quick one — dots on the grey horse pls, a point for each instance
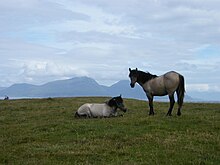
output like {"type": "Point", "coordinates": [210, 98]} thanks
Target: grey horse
{"type": "Point", "coordinates": [166, 84]}
{"type": "Point", "coordinates": [107, 109]}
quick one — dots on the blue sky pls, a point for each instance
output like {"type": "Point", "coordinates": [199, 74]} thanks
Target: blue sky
{"type": "Point", "coordinates": [46, 40]}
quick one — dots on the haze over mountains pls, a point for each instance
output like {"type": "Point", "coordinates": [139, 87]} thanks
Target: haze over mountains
{"type": "Point", "coordinates": [78, 86]}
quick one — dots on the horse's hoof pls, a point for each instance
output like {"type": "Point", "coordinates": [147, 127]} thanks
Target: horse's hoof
{"type": "Point", "coordinates": [178, 114]}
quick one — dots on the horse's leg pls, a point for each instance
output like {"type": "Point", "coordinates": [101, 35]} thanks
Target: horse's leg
{"type": "Point", "coordinates": [77, 115]}
{"type": "Point", "coordinates": [82, 116]}
{"type": "Point", "coordinates": [179, 112]}
{"type": "Point", "coordinates": [172, 102]}
{"type": "Point", "coordinates": [180, 94]}
{"type": "Point", "coordinates": [150, 99]}
{"type": "Point", "coordinates": [180, 102]}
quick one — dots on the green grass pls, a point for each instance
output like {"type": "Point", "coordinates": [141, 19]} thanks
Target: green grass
{"type": "Point", "coordinates": [44, 131]}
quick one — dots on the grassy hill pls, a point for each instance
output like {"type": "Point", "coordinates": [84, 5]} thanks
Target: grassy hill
{"type": "Point", "coordinates": [43, 131]}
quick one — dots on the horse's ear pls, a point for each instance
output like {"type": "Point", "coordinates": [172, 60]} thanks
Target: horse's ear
{"type": "Point", "coordinates": [130, 69]}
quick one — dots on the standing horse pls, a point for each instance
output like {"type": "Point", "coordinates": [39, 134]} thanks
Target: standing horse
{"type": "Point", "coordinates": [107, 109]}
{"type": "Point", "coordinates": [166, 84]}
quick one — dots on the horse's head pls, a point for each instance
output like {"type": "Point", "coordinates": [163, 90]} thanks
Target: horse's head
{"type": "Point", "coordinates": [133, 75]}
{"type": "Point", "coordinates": [117, 102]}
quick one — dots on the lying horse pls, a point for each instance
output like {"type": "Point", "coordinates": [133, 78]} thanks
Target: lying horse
{"type": "Point", "coordinates": [107, 109]}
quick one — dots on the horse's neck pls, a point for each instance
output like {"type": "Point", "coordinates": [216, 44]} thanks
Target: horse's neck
{"type": "Point", "coordinates": [114, 111]}
{"type": "Point", "coordinates": [144, 77]}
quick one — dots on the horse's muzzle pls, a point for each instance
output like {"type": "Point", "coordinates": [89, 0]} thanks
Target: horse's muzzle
{"type": "Point", "coordinates": [132, 85]}
{"type": "Point", "coordinates": [124, 109]}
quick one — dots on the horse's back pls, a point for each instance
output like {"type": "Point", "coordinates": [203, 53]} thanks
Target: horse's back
{"type": "Point", "coordinates": [84, 110]}
{"type": "Point", "coordinates": [100, 110]}
{"type": "Point", "coordinates": [95, 110]}
{"type": "Point", "coordinates": [163, 85]}
{"type": "Point", "coordinates": [171, 80]}
{"type": "Point", "coordinates": [172, 76]}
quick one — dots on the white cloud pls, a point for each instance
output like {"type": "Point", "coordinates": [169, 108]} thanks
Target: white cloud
{"type": "Point", "coordinates": [203, 87]}
{"type": "Point", "coordinates": [39, 72]}
{"type": "Point", "coordinates": [198, 87]}
{"type": "Point", "coordinates": [48, 68]}
{"type": "Point", "coordinates": [52, 39]}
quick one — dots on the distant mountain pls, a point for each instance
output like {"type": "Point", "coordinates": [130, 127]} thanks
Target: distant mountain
{"type": "Point", "coordinates": [123, 87]}
{"type": "Point", "coordinates": [18, 90]}
{"type": "Point", "coordinates": [78, 86]}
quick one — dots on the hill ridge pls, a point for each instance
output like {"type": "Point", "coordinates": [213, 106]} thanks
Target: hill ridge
{"type": "Point", "coordinates": [76, 86]}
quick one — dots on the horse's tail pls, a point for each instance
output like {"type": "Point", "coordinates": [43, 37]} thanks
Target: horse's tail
{"type": "Point", "coordinates": [181, 90]}
{"type": "Point", "coordinates": [77, 115]}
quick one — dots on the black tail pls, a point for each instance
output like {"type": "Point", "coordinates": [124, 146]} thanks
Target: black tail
{"type": "Point", "coordinates": [77, 115]}
{"type": "Point", "coordinates": [181, 90]}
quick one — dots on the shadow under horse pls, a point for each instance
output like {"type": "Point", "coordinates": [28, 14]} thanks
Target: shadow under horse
{"type": "Point", "coordinates": [154, 85]}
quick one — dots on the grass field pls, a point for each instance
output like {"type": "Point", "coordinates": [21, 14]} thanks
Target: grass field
{"type": "Point", "coordinates": [43, 131]}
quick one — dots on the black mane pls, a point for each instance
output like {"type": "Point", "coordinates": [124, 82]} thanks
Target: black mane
{"type": "Point", "coordinates": [145, 76]}
{"type": "Point", "coordinates": [115, 101]}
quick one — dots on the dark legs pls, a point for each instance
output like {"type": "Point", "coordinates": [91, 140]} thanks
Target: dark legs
{"type": "Point", "coordinates": [179, 113]}
{"type": "Point", "coordinates": [81, 116]}
{"type": "Point", "coordinates": [172, 102]}
{"type": "Point", "coordinates": [150, 98]}
{"type": "Point", "coordinates": [180, 103]}
{"type": "Point", "coordinates": [180, 97]}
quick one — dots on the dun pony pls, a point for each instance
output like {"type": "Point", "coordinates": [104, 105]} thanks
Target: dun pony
{"type": "Point", "coordinates": [166, 84]}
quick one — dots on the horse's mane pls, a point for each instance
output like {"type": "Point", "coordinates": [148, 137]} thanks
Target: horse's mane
{"type": "Point", "coordinates": [114, 101]}
{"type": "Point", "coordinates": [145, 76]}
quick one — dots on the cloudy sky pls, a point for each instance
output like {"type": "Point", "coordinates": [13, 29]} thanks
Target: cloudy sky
{"type": "Point", "coordinates": [46, 40]}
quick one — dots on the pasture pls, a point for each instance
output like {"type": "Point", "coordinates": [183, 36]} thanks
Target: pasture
{"type": "Point", "coordinates": [44, 131]}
